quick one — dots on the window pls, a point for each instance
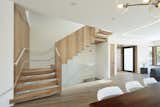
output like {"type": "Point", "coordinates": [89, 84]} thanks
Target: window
{"type": "Point", "coordinates": [157, 55]}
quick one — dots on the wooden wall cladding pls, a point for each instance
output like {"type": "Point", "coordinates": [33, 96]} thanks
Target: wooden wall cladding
{"type": "Point", "coordinates": [21, 31]}
{"type": "Point", "coordinates": [154, 58]}
{"type": "Point", "coordinates": [71, 45]}
{"type": "Point", "coordinates": [76, 41]}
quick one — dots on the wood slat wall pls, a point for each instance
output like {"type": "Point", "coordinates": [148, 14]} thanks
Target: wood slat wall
{"type": "Point", "coordinates": [72, 44]}
{"type": "Point", "coordinates": [58, 64]}
{"type": "Point", "coordinates": [154, 59]}
{"type": "Point", "coordinates": [21, 32]}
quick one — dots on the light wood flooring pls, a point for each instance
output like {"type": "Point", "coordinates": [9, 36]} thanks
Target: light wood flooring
{"type": "Point", "coordinates": [84, 94]}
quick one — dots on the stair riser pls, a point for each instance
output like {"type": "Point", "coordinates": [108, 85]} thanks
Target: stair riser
{"type": "Point", "coordinates": [33, 96]}
{"type": "Point", "coordinates": [37, 72]}
{"type": "Point", "coordinates": [32, 79]}
{"type": "Point", "coordinates": [35, 86]}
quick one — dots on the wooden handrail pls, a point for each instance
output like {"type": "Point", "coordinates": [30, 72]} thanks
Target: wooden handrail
{"type": "Point", "coordinates": [20, 56]}
{"type": "Point", "coordinates": [16, 64]}
{"type": "Point", "coordinates": [57, 51]}
{"type": "Point", "coordinates": [19, 74]}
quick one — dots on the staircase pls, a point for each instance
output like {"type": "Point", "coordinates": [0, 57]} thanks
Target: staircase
{"type": "Point", "coordinates": [35, 83]}
{"type": "Point", "coordinates": [74, 43]}
{"type": "Point", "coordinates": [30, 84]}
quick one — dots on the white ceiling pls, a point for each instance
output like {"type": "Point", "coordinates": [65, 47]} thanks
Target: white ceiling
{"type": "Point", "coordinates": [136, 22]}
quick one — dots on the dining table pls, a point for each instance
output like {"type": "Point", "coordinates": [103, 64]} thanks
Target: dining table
{"type": "Point", "coordinates": [148, 96]}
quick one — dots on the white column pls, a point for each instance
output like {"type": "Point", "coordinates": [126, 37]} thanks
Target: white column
{"type": "Point", "coordinates": [108, 64]}
{"type": "Point", "coordinates": [115, 59]}
{"type": "Point", "coordinates": [103, 61]}
{"type": "Point", "coordinates": [6, 51]}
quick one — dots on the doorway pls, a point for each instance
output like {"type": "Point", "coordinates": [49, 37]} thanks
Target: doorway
{"type": "Point", "coordinates": [129, 58]}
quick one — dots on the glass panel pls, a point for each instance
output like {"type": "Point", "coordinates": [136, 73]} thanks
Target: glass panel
{"type": "Point", "coordinates": [128, 59]}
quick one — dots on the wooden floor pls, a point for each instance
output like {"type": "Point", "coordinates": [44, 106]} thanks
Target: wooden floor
{"type": "Point", "coordinates": [84, 94]}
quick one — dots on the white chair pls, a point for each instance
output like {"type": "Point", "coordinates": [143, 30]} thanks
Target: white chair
{"type": "Point", "coordinates": [133, 86]}
{"type": "Point", "coordinates": [148, 81]}
{"type": "Point", "coordinates": [108, 92]}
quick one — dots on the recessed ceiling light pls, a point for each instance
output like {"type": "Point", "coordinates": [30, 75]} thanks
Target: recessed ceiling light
{"type": "Point", "coordinates": [73, 3]}
{"type": "Point", "coordinates": [113, 18]}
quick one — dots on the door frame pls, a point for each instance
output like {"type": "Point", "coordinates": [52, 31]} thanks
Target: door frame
{"type": "Point", "coordinates": [112, 60]}
{"type": "Point", "coordinates": [134, 58]}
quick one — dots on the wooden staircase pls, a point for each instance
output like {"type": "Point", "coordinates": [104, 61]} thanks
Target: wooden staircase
{"type": "Point", "coordinates": [30, 84]}
{"type": "Point", "coordinates": [73, 43]}
{"type": "Point", "coordinates": [36, 83]}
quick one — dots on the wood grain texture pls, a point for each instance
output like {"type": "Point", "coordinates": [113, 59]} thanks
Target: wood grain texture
{"type": "Point", "coordinates": [82, 95]}
{"type": "Point", "coordinates": [73, 43]}
{"type": "Point", "coordinates": [63, 49]}
{"type": "Point", "coordinates": [37, 72]}
{"type": "Point", "coordinates": [58, 64]}
{"type": "Point", "coordinates": [34, 95]}
{"type": "Point", "coordinates": [21, 41]}
{"type": "Point", "coordinates": [21, 31]}
{"type": "Point", "coordinates": [136, 59]}
{"type": "Point", "coordinates": [35, 86]}
{"type": "Point", "coordinates": [146, 97]}
{"type": "Point", "coordinates": [36, 78]}
{"type": "Point", "coordinates": [154, 59]}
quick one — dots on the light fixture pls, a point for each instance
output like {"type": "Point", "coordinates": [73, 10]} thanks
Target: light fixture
{"type": "Point", "coordinates": [146, 1]}
{"type": "Point", "coordinates": [155, 3]}
{"type": "Point", "coordinates": [120, 6]}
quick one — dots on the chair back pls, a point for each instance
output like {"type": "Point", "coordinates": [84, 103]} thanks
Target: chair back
{"type": "Point", "coordinates": [133, 86]}
{"type": "Point", "coordinates": [108, 92]}
{"type": "Point", "coordinates": [148, 81]}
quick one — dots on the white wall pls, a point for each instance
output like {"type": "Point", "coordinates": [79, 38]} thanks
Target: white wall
{"type": "Point", "coordinates": [6, 51]}
{"type": "Point", "coordinates": [45, 32]}
{"type": "Point", "coordinates": [144, 56]}
{"type": "Point", "coordinates": [103, 61]}
{"type": "Point", "coordinates": [156, 43]}
{"type": "Point", "coordinates": [144, 49]}
{"type": "Point", "coordinates": [127, 41]}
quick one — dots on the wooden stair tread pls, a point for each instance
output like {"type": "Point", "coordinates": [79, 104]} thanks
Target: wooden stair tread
{"type": "Point", "coordinates": [35, 86]}
{"type": "Point", "coordinates": [34, 95]}
{"type": "Point", "coordinates": [37, 72]}
{"type": "Point", "coordinates": [100, 40]}
{"type": "Point", "coordinates": [104, 32]}
{"type": "Point", "coordinates": [36, 78]}
{"type": "Point", "coordinates": [101, 36]}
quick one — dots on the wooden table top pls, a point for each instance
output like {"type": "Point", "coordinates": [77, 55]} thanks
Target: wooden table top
{"type": "Point", "coordinates": [146, 97]}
